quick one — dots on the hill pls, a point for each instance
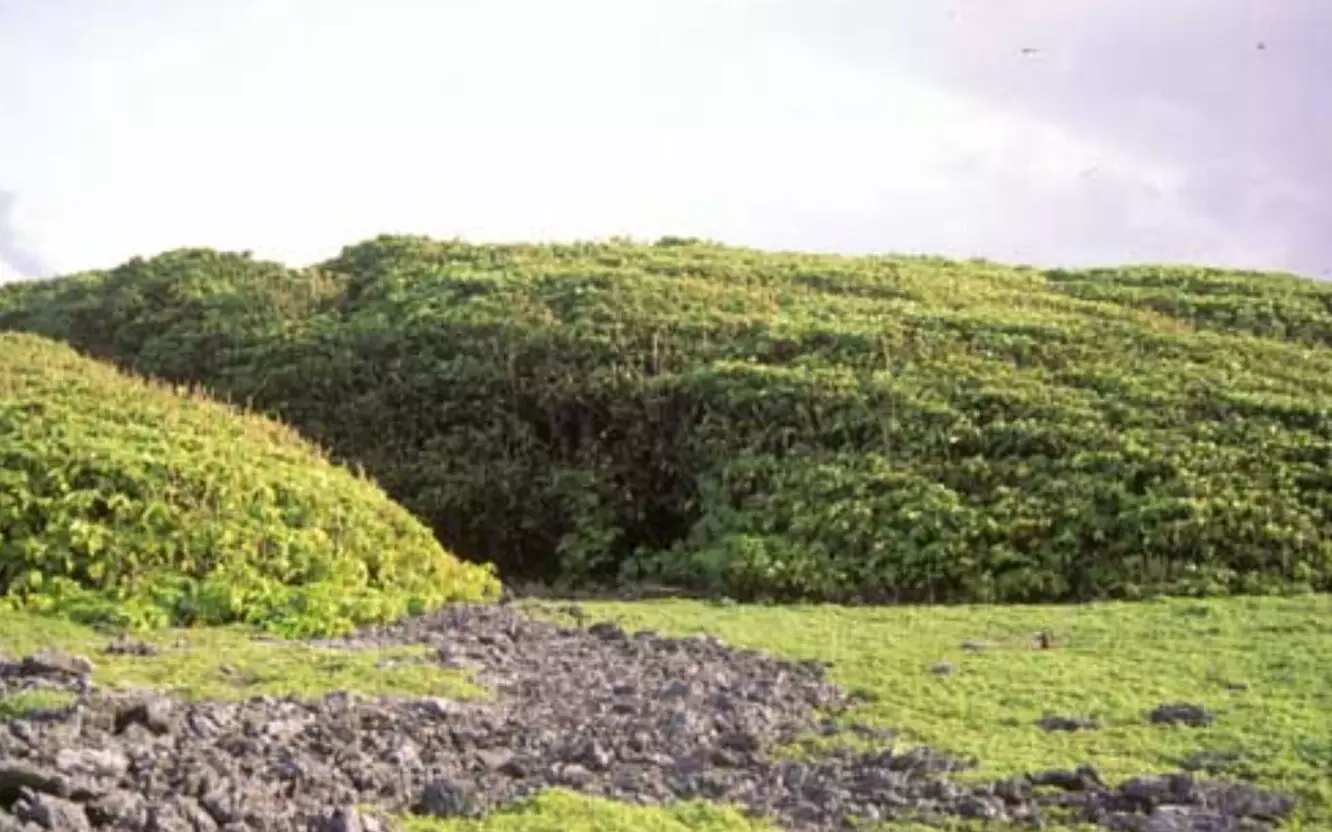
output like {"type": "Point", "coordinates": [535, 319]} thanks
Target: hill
{"type": "Point", "coordinates": [775, 424]}
{"type": "Point", "coordinates": [126, 500]}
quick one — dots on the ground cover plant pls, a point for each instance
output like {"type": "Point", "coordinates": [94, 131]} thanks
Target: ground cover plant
{"type": "Point", "coordinates": [124, 501]}
{"type": "Point", "coordinates": [774, 425]}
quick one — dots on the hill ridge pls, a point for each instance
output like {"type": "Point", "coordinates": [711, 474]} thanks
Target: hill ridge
{"type": "Point", "coordinates": [775, 424]}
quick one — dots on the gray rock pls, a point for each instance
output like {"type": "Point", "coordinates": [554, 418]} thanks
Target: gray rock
{"type": "Point", "coordinates": [119, 809]}
{"type": "Point", "coordinates": [9, 823]}
{"type": "Point", "coordinates": [55, 663]}
{"type": "Point", "coordinates": [95, 762]}
{"type": "Point", "coordinates": [450, 798]}
{"type": "Point", "coordinates": [17, 775]}
{"type": "Point", "coordinates": [50, 812]}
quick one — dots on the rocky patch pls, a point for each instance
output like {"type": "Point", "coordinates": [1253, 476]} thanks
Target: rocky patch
{"type": "Point", "coordinates": [1182, 713]}
{"type": "Point", "coordinates": [634, 717]}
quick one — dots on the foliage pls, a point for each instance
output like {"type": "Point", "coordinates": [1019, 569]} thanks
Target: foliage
{"type": "Point", "coordinates": [779, 425]}
{"type": "Point", "coordinates": [123, 500]}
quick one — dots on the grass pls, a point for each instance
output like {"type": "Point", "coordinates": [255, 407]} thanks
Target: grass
{"type": "Point", "coordinates": [26, 702]}
{"type": "Point", "coordinates": [559, 810]}
{"type": "Point", "coordinates": [1262, 665]}
{"type": "Point", "coordinates": [229, 663]}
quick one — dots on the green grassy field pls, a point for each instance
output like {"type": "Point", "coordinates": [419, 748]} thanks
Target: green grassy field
{"type": "Point", "coordinates": [1262, 665]}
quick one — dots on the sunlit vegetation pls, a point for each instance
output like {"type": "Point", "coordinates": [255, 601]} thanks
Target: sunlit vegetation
{"type": "Point", "coordinates": [124, 502]}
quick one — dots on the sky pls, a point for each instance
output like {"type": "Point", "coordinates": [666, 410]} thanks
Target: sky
{"type": "Point", "coordinates": [1045, 132]}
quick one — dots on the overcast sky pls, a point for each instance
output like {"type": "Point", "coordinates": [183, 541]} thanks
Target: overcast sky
{"type": "Point", "coordinates": [1039, 131]}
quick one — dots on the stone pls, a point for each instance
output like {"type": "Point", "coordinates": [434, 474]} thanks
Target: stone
{"type": "Point", "coordinates": [1181, 713]}
{"type": "Point", "coordinates": [1067, 723]}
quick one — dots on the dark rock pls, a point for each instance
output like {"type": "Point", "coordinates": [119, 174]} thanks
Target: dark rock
{"type": "Point", "coordinates": [19, 775]}
{"type": "Point", "coordinates": [1081, 779]}
{"type": "Point", "coordinates": [130, 647]}
{"type": "Point", "coordinates": [50, 812]}
{"type": "Point", "coordinates": [1067, 723]}
{"type": "Point", "coordinates": [1186, 819]}
{"type": "Point", "coordinates": [448, 798]}
{"type": "Point", "coordinates": [607, 631]}
{"type": "Point", "coordinates": [156, 713]}
{"type": "Point", "coordinates": [54, 663]}
{"type": "Point", "coordinates": [1181, 713]}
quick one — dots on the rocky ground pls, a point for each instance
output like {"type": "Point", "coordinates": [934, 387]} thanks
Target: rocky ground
{"type": "Point", "coordinates": [639, 718]}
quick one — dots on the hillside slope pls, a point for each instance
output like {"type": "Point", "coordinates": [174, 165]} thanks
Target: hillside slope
{"type": "Point", "coordinates": [778, 425]}
{"type": "Point", "coordinates": [122, 498]}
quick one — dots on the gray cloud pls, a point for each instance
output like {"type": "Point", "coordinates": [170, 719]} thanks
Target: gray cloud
{"type": "Point", "coordinates": [14, 255]}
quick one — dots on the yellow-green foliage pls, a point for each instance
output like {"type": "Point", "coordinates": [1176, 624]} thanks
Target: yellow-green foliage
{"type": "Point", "coordinates": [781, 425]}
{"type": "Point", "coordinates": [122, 499]}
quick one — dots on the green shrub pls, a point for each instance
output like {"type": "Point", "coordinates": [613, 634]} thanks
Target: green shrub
{"type": "Point", "coordinates": [779, 425]}
{"type": "Point", "coordinates": [121, 499]}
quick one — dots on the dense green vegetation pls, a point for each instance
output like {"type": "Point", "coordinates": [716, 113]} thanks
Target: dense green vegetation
{"type": "Point", "coordinates": [778, 425]}
{"type": "Point", "coordinates": [124, 501]}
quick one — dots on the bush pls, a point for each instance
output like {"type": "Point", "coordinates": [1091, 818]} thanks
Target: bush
{"type": "Point", "coordinates": [123, 500]}
{"type": "Point", "coordinates": [778, 425]}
